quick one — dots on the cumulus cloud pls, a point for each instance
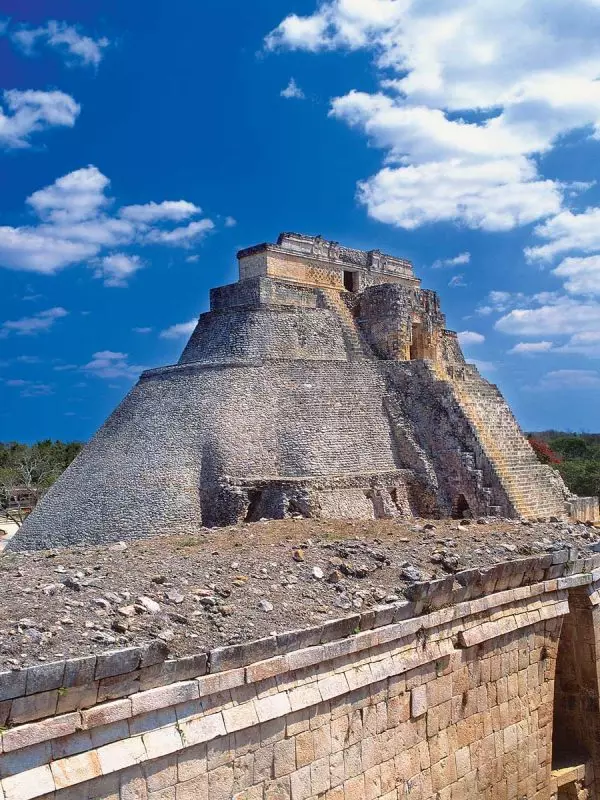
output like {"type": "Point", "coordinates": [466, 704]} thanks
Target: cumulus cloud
{"type": "Point", "coordinates": [180, 330]}
{"type": "Point", "coordinates": [29, 326]}
{"type": "Point", "coordinates": [567, 231]}
{"type": "Point", "coordinates": [570, 379]}
{"type": "Point", "coordinates": [293, 91]}
{"type": "Point", "coordinates": [77, 48]}
{"type": "Point", "coordinates": [470, 93]}
{"type": "Point", "coordinates": [117, 268]}
{"type": "Point", "coordinates": [25, 113]}
{"type": "Point", "coordinates": [582, 274]}
{"type": "Point", "coordinates": [460, 260]}
{"type": "Point", "coordinates": [176, 210]}
{"type": "Point", "coordinates": [470, 337]}
{"type": "Point", "coordinates": [531, 347]}
{"type": "Point", "coordinates": [76, 222]}
{"type": "Point", "coordinates": [562, 317]}
{"type": "Point", "coordinates": [110, 365]}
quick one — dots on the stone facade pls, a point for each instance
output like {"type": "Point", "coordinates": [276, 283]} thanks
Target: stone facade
{"type": "Point", "coordinates": [484, 684]}
{"type": "Point", "coordinates": [323, 383]}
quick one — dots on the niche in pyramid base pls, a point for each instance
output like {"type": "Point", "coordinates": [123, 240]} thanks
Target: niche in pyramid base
{"type": "Point", "coordinates": [322, 384]}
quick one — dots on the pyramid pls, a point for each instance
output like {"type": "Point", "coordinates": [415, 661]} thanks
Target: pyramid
{"type": "Point", "coordinates": [323, 383]}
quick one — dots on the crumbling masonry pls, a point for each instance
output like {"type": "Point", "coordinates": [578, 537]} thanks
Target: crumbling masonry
{"type": "Point", "coordinates": [323, 383]}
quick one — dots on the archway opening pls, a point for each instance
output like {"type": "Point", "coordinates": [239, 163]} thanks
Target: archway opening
{"type": "Point", "coordinates": [461, 508]}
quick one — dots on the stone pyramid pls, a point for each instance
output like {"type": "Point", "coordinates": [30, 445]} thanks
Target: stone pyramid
{"type": "Point", "coordinates": [323, 383]}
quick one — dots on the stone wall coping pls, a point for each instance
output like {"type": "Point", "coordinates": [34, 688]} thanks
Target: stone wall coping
{"type": "Point", "coordinates": [182, 730]}
{"type": "Point", "coordinates": [38, 691]}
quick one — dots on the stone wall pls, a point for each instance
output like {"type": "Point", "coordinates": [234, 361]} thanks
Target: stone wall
{"type": "Point", "coordinates": [447, 696]}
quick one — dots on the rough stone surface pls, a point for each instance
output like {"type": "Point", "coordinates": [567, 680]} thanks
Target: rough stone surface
{"type": "Point", "coordinates": [323, 383]}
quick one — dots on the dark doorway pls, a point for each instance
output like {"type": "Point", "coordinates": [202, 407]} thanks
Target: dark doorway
{"type": "Point", "coordinates": [460, 508]}
{"type": "Point", "coordinates": [349, 280]}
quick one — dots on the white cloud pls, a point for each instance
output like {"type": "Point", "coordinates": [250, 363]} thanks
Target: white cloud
{"type": "Point", "coordinates": [192, 259]}
{"type": "Point", "coordinates": [29, 112]}
{"type": "Point", "coordinates": [180, 330]}
{"type": "Point", "coordinates": [175, 210]}
{"type": "Point", "coordinates": [567, 231]}
{"type": "Point", "coordinates": [230, 222]}
{"type": "Point", "coordinates": [457, 281]}
{"type": "Point", "coordinates": [562, 317]}
{"type": "Point", "coordinates": [470, 93]}
{"type": "Point", "coordinates": [292, 90]}
{"type": "Point", "coordinates": [583, 275]}
{"type": "Point", "coordinates": [142, 330]}
{"type": "Point", "coordinates": [460, 260]}
{"type": "Point", "coordinates": [531, 347]}
{"type": "Point", "coordinates": [117, 268]}
{"type": "Point", "coordinates": [76, 222]}
{"type": "Point", "coordinates": [184, 236]}
{"type": "Point", "coordinates": [27, 326]}
{"type": "Point", "coordinates": [571, 379]}
{"type": "Point", "coordinates": [470, 337]}
{"type": "Point", "coordinates": [76, 47]}
{"type": "Point", "coordinates": [109, 365]}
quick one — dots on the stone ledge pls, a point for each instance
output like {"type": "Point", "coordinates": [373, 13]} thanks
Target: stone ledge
{"type": "Point", "coordinates": [40, 682]}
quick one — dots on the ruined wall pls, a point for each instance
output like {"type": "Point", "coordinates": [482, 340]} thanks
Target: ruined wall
{"type": "Point", "coordinates": [448, 696]}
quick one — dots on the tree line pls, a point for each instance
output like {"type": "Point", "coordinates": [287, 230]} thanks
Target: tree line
{"type": "Point", "coordinates": [575, 455]}
{"type": "Point", "coordinates": [28, 471]}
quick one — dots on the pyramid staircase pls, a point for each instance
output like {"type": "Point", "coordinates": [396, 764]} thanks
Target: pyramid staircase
{"type": "Point", "coordinates": [534, 489]}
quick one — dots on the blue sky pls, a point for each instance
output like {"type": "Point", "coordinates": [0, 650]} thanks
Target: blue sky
{"type": "Point", "coordinates": [141, 145]}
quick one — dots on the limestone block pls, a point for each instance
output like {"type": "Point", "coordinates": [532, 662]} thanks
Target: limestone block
{"type": "Point", "coordinates": [76, 769]}
{"type": "Point", "coordinates": [162, 742]}
{"type": "Point", "coordinates": [106, 713]}
{"type": "Point", "coordinates": [12, 684]}
{"type": "Point", "coordinates": [221, 681]}
{"type": "Point", "coordinates": [284, 757]}
{"type": "Point", "coordinates": [27, 735]}
{"type": "Point", "coordinates": [28, 784]}
{"type": "Point", "coordinates": [79, 671]}
{"type": "Point", "coordinates": [220, 783]}
{"type": "Point", "coordinates": [117, 662]}
{"type": "Point", "coordinates": [44, 677]}
{"type": "Point", "coordinates": [34, 706]}
{"type": "Point", "coordinates": [418, 701]}
{"type": "Point", "coordinates": [274, 706]}
{"type": "Point", "coordinates": [197, 731]}
{"type": "Point", "coordinates": [243, 716]}
{"type": "Point", "coordinates": [194, 789]}
{"type": "Point", "coordinates": [164, 696]}
{"type": "Point", "coordinates": [120, 755]}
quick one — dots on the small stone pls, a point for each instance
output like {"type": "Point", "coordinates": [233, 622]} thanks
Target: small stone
{"type": "Point", "coordinates": [298, 554]}
{"type": "Point", "coordinates": [335, 576]}
{"type": "Point", "coordinates": [411, 573]}
{"type": "Point", "coordinates": [166, 635]}
{"type": "Point", "coordinates": [175, 596]}
{"type": "Point", "coordinates": [179, 618]}
{"type": "Point", "coordinates": [265, 605]}
{"type": "Point", "coordinates": [118, 547]}
{"type": "Point", "coordinates": [318, 573]}
{"type": "Point", "coordinates": [53, 588]}
{"type": "Point", "coordinates": [102, 603]}
{"type": "Point", "coordinates": [127, 611]}
{"type": "Point", "coordinates": [158, 579]}
{"type": "Point", "coordinates": [149, 605]}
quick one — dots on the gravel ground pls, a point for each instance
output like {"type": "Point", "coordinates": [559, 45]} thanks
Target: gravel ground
{"type": "Point", "coordinates": [228, 585]}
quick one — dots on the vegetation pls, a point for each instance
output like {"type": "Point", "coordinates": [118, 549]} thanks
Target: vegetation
{"type": "Point", "coordinates": [576, 456]}
{"type": "Point", "coordinates": [28, 471]}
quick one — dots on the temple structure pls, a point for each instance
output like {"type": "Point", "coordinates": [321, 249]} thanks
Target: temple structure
{"type": "Point", "coordinates": [323, 383]}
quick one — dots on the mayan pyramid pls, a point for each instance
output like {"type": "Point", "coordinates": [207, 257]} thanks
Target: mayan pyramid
{"type": "Point", "coordinates": [323, 383]}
